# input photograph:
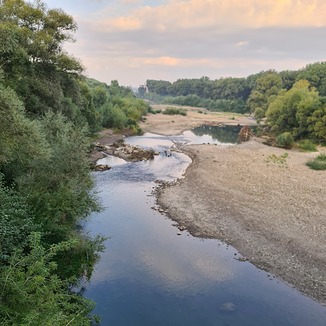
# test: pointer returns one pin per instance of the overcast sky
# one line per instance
(135, 40)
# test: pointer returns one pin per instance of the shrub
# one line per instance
(319, 163)
(307, 145)
(285, 140)
(174, 111)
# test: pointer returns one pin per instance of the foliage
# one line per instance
(317, 123)
(32, 294)
(221, 105)
(319, 163)
(267, 86)
(285, 98)
(35, 65)
(152, 111)
(58, 187)
(316, 75)
(306, 145)
(21, 139)
(285, 140)
(16, 221)
(116, 106)
(225, 94)
(175, 111)
(293, 110)
(47, 110)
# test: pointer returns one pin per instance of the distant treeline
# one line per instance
(48, 110)
(291, 101)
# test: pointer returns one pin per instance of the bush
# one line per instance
(319, 163)
(307, 145)
(174, 111)
(285, 140)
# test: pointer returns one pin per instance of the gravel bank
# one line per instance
(266, 203)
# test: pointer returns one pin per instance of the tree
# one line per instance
(32, 57)
(291, 110)
(317, 124)
(316, 75)
(21, 140)
(142, 89)
(58, 187)
(267, 86)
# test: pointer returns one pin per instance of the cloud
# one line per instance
(190, 39)
(224, 14)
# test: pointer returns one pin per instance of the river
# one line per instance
(153, 274)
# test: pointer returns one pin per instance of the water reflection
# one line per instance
(214, 134)
(150, 275)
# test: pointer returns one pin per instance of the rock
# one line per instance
(102, 167)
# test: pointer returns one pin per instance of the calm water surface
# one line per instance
(150, 275)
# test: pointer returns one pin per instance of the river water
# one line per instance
(149, 274)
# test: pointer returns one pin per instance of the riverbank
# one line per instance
(264, 201)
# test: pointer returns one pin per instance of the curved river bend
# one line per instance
(150, 275)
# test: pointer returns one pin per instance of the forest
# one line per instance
(291, 102)
(49, 111)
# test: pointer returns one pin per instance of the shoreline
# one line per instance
(262, 200)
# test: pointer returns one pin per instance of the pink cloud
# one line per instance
(224, 14)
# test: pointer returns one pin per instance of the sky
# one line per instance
(135, 40)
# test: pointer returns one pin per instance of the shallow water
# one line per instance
(150, 275)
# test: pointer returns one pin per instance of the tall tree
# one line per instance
(267, 86)
(316, 75)
(292, 110)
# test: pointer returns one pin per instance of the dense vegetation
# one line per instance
(116, 106)
(291, 102)
(47, 112)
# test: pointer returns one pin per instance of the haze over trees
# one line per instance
(48, 109)
(287, 101)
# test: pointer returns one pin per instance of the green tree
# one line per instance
(291, 110)
(58, 188)
(21, 140)
(266, 88)
(317, 124)
(316, 75)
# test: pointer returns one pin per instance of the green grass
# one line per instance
(306, 145)
(277, 159)
(319, 163)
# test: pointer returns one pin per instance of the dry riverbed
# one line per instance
(264, 201)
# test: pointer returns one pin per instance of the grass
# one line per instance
(306, 145)
(277, 159)
(319, 163)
